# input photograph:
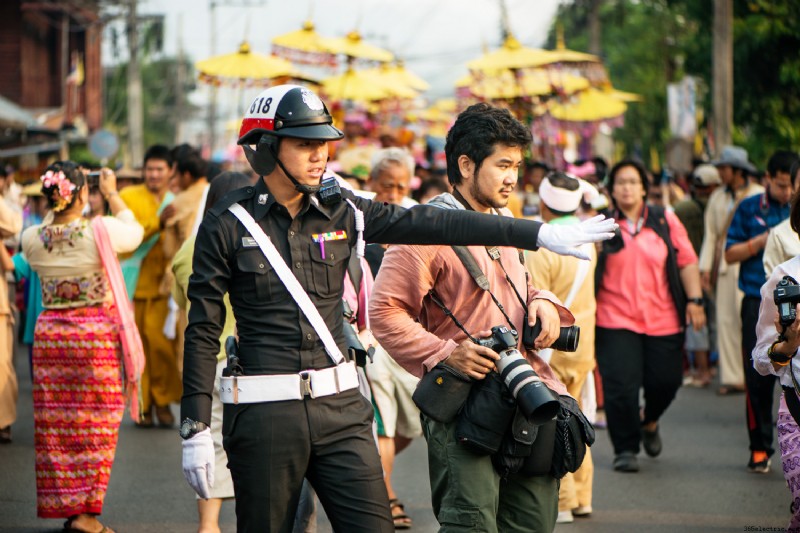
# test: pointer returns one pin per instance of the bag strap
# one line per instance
(289, 279)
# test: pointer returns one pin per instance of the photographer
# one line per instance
(778, 339)
(484, 152)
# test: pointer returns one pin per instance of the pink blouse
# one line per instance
(634, 293)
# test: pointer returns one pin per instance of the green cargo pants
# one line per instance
(469, 496)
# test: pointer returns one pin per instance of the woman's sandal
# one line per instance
(69, 529)
(401, 519)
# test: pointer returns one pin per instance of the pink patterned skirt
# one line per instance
(78, 406)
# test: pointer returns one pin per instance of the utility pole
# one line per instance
(212, 101)
(722, 68)
(595, 46)
(135, 120)
(505, 27)
(180, 84)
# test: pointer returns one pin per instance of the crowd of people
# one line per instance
(304, 317)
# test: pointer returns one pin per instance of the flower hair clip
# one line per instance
(64, 188)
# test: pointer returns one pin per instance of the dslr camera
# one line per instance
(567, 340)
(93, 180)
(787, 296)
(537, 402)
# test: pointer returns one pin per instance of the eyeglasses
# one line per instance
(624, 183)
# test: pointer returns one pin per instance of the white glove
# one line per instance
(198, 462)
(566, 240)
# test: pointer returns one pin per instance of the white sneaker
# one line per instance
(583, 510)
(565, 517)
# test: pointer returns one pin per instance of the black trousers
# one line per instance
(630, 361)
(271, 447)
(759, 389)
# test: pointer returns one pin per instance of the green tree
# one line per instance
(160, 93)
(649, 43)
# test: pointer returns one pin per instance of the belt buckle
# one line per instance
(305, 383)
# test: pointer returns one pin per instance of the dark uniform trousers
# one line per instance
(272, 446)
(759, 389)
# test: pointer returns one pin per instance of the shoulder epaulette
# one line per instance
(233, 197)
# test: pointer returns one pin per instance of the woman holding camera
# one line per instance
(778, 334)
(77, 387)
(648, 289)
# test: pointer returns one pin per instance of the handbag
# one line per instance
(441, 393)
(132, 350)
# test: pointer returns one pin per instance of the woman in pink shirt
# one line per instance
(647, 291)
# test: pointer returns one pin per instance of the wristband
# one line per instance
(696, 301)
(109, 195)
(778, 358)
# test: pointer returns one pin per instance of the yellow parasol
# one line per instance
(624, 96)
(505, 85)
(512, 55)
(304, 46)
(361, 86)
(588, 106)
(354, 47)
(242, 66)
(397, 75)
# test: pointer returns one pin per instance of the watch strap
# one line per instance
(777, 357)
(697, 301)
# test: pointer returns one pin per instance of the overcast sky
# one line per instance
(434, 37)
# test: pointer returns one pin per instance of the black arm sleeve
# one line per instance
(207, 287)
(424, 224)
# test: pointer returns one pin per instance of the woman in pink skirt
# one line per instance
(77, 370)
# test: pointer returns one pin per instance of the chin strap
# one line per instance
(305, 189)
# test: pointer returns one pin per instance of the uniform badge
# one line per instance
(262, 199)
(320, 239)
(312, 100)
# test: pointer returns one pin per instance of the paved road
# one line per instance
(699, 484)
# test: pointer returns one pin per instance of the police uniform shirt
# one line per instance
(274, 336)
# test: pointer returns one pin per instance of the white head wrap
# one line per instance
(566, 201)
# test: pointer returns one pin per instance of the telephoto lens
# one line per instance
(567, 341)
(536, 401)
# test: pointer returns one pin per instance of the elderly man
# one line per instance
(392, 386)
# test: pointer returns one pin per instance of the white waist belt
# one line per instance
(281, 387)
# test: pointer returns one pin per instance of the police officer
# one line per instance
(295, 413)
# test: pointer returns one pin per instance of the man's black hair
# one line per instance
(158, 151)
(223, 184)
(476, 132)
(781, 161)
(195, 165)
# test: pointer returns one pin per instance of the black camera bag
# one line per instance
(527, 448)
(441, 393)
(573, 434)
(486, 415)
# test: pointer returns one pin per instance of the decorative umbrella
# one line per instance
(356, 85)
(590, 105)
(512, 55)
(304, 46)
(397, 75)
(243, 67)
(506, 84)
(355, 48)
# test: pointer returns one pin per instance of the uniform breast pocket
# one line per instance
(253, 279)
(328, 272)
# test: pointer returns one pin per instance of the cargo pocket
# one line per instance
(466, 519)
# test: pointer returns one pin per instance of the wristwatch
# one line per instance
(696, 301)
(190, 428)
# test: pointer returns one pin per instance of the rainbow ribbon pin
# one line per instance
(330, 236)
